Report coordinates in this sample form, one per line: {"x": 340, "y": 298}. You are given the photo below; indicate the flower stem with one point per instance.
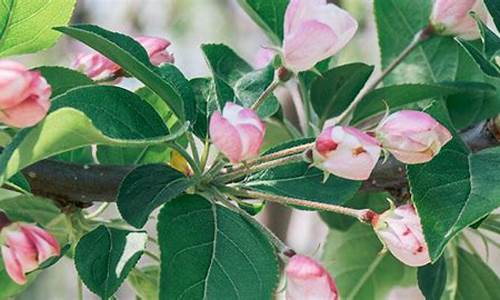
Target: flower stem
{"x": 194, "y": 149}
{"x": 152, "y": 255}
{"x": 99, "y": 211}
{"x": 266, "y": 165}
{"x": 419, "y": 37}
{"x": 364, "y": 215}
{"x": 272, "y": 156}
{"x": 276, "y": 82}
{"x": 205, "y": 154}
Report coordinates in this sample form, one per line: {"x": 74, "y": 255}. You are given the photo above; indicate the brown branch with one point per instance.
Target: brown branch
{"x": 73, "y": 183}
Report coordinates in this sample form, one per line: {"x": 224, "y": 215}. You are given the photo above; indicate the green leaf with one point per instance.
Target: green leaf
{"x": 453, "y": 191}
{"x": 26, "y": 26}
{"x": 146, "y": 188}
{"x": 63, "y": 79}
{"x": 432, "y": 279}
{"x": 494, "y": 8}
{"x": 269, "y": 15}
{"x": 206, "y": 99}
{"x": 361, "y": 271}
{"x": 397, "y": 23}
{"x": 332, "y": 93}
{"x": 113, "y": 155}
{"x": 475, "y": 278}
{"x": 491, "y": 41}
{"x": 105, "y": 256}
{"x": 488, "y": 67}
{"x": 249, "y": 88}
{"x": 236, "y": 81}
{"x": 145, "y": 282}
{"x": 84, "y": 116}
{"x": 210, "y": 252}
{"x": 400, "y": 96}
{"x": 299, "y": 180}
{"x": 132, "y": 57}
{"x": 376, "y": 201}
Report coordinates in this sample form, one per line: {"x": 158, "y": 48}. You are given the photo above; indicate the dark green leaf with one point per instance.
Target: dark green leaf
{"x": 210, "y": 252}
{"x": 132, "y": 57}
{"x": 491, "y": 41}
{"x": 332, "y": 93}
{"x": 206, "y": 99}
{"x": 299, "y": 180}
{"x": 476, "y": 280}
{"x": 269, "y": 15}
{"x": 62, "y": 79}
{"x": 26, "y": 27}
{"x": 105, "y": 256}
{"x": 20, "y": 182}
{"x": 249, "y": 88}
{"x": 175, "y": 77}
{"x": 494, "y": 8}
{"x": 360, "y": 269}
{"x": 400, "y": 96}
{"x": 432, "y": 279}
{"x": 488, "y": 67}
{"x": 146, "y": 188}
{"x": 83, "y": 116}
{"x": 236, "y": 81}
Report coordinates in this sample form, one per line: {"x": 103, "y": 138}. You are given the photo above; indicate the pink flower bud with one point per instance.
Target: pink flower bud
{"x": 96, "y": 66}
{"x": 413, "y": 137}
{"x": 24, "y": 95}
{"x": 314, "y": 31}
{"x": 24, "y": 248}
{"x": 346, "y": 152}
{"x": 451, "y": 17}
{"x": 156, "y": 49}
{"x": 308, "y": 280}
{"x": 401, "y": 232}
{"x": 237, "y": 133}
{"x": 264, "y": 57}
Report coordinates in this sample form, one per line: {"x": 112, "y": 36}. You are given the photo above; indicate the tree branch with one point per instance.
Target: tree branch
{"x": 82, "y": 185}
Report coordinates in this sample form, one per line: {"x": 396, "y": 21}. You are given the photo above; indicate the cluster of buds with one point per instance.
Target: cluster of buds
{"x": 24, "y": 95}
{"x": 98, "y": 67}
{"x": 24, "y": 247}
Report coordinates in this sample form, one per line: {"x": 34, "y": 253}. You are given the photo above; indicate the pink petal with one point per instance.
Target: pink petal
{"x": 309, "y": 45}
{"x": 251, "y": 140}
{"x": 308, "y": 280}
{"x": 46, "y": 245}
{"x": 12, "y": 266}
{"x": 225, "y": 137}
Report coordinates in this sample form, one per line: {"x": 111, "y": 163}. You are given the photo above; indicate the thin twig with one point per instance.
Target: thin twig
{"x": 364, "y": 215}
{"x": 272, "y": 156}
{"x": 421, "y": 36}
{"x": 267, "y": 165}
{"x": 268, "y": 91}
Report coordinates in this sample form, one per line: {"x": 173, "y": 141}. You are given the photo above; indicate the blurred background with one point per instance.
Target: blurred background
{"x": 188, "y": 24}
